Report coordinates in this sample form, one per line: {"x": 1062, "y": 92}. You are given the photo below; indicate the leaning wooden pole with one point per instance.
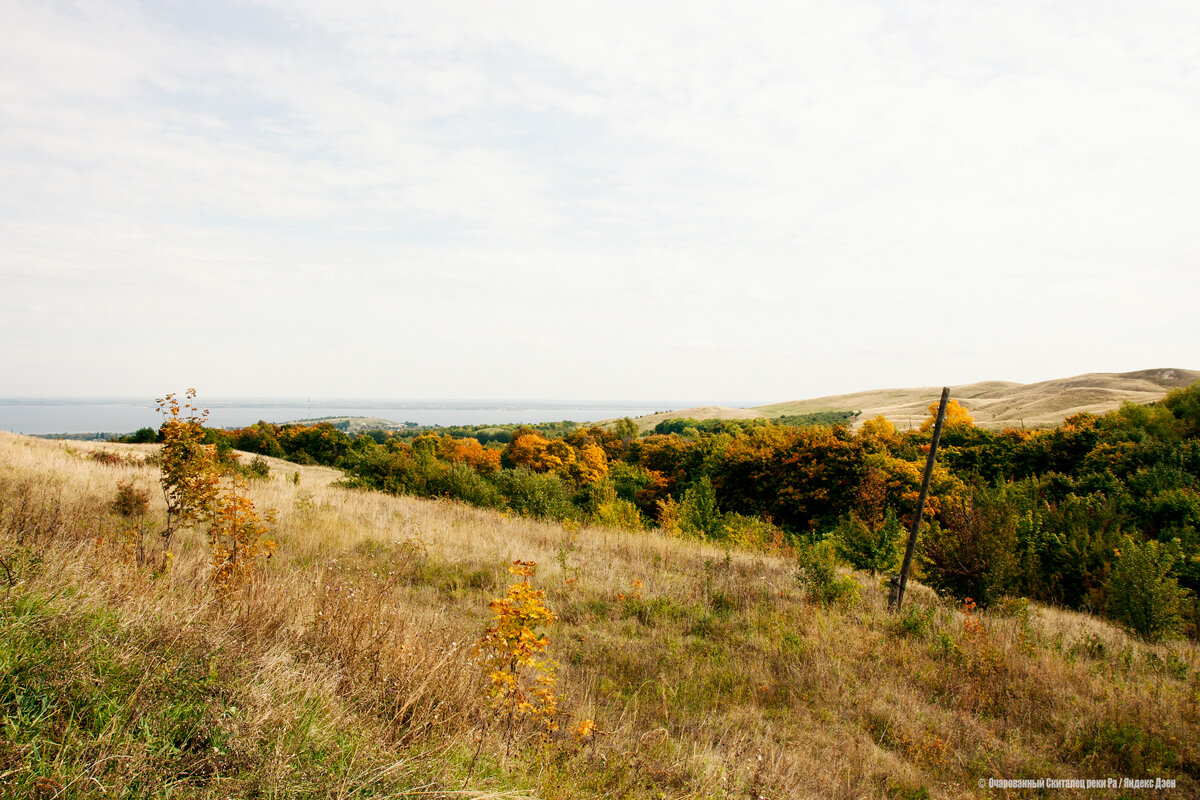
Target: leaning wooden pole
{"x": 916, "y": 524}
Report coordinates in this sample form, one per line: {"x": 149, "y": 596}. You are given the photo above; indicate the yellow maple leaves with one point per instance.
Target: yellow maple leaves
{"x": 521, "y": 678}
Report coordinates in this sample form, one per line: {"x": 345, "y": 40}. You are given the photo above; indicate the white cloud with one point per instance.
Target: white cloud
{"x": 787, "y": 186}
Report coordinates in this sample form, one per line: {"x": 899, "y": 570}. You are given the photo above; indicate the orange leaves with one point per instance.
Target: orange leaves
{"x": 469, "y": 452}
{"x": 236, "y": 534}
{"x": 188, "y": 467}
{"x": 521, "y": 679}
{"x": 529, "y": 451}
{"x": 537, "y": 453}
{"x": 523, "y": 569}
{"x": 584, "y": 730}
{"x": 634, "y": 594}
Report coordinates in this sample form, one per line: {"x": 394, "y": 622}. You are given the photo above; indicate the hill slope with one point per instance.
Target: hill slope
{"x": 350, "y": 671}
{"x": 994, "y": 404}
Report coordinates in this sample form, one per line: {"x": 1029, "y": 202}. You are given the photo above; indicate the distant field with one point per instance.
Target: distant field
{"x": 994, "y": 404}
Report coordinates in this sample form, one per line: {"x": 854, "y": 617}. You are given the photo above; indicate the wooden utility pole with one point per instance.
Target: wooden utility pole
{"x": 901, "y": 580}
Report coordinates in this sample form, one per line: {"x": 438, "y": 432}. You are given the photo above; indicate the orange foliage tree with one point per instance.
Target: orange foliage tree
{"x": 237, "y": 536}
{"x": 469, "y": 452}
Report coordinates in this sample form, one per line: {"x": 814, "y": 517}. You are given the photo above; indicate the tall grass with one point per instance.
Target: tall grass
{"x": 349, "y": 668}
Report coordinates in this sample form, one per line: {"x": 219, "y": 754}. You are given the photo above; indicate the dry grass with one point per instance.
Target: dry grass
{"x": 715, "y": 678}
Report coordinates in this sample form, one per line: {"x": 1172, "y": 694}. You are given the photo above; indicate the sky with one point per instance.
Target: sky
{"x": 763, "y": 201}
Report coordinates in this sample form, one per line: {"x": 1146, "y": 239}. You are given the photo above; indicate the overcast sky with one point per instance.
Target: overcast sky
{"x": 643, "y": 200}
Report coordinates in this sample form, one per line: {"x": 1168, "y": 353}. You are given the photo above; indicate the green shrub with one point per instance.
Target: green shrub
{"x": 461, "y": 482}
{"x": 1143, "y": 594}
{"x": 973, "y": 553}
{"x": 619, "y": 513}
{"x": 1128, "y": 747}
{"x": 816, "y": 572}
{"x": 914, "y": 621}
{"x": 698, "y": 512}
{"x": 258, "y": 469}
{"x": 865, "y": 548}
{"x": 602, "y": 501}
{"x": 753, "y": 533}
{"x": 535, "y": 495}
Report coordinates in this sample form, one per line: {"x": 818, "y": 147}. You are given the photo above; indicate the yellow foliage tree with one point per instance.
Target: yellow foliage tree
{"x": 592, "y": 464}
{"x": 521, "y": 678}
{"x": 188, "y": 467}
{"x": 880, "y": 427}
{"x": 535, "y": 452}
{"x": 956, "y": 416}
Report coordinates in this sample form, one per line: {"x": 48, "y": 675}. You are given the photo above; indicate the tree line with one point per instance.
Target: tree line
{"x": 1067, "y": 515}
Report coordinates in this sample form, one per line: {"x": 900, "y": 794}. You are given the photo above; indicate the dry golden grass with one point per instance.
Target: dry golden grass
{"x": 713, "y": 678}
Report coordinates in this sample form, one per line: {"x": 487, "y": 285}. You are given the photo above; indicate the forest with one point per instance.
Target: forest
{"x": 1101, "y": 513}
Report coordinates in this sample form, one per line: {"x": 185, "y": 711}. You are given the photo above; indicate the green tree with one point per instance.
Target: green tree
{"x": 973, "y": 552}
{"x": 866, "y": 547}
{"x": 698, "y": 512}
{"x": 1184, "y": 404}
{"x": 1142, "y": 591}
{"x": 625, "y": 429}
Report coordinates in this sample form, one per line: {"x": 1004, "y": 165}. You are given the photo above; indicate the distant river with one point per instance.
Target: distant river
{"x": 125, "y": 415}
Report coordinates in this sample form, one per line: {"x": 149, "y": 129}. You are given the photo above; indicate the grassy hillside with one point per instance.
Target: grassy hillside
{"x": 348, "y": 669}
{"x": 994, "y": 404}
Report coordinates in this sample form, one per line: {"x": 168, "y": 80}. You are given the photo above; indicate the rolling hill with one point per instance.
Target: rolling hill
{"x": 994, "y": 404}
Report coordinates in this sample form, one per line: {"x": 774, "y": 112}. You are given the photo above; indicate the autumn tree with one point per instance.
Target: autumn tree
{"x": 878, "y": 428}
{"x": 188, "y": 468}
{"x": 956, "y": 416}
{"x": 513, "y": 648}
{"x": 237, "y": 537}
{"x": 797, "y": 477}
{"x": 191, "y": 484}
{"x": 469, "y": 452}
{"x": 539, "y": 454}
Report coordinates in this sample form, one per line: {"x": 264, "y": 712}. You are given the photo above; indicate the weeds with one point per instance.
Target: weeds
{"x": 914, "y": 621}
{"x": 816, "y": 572}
